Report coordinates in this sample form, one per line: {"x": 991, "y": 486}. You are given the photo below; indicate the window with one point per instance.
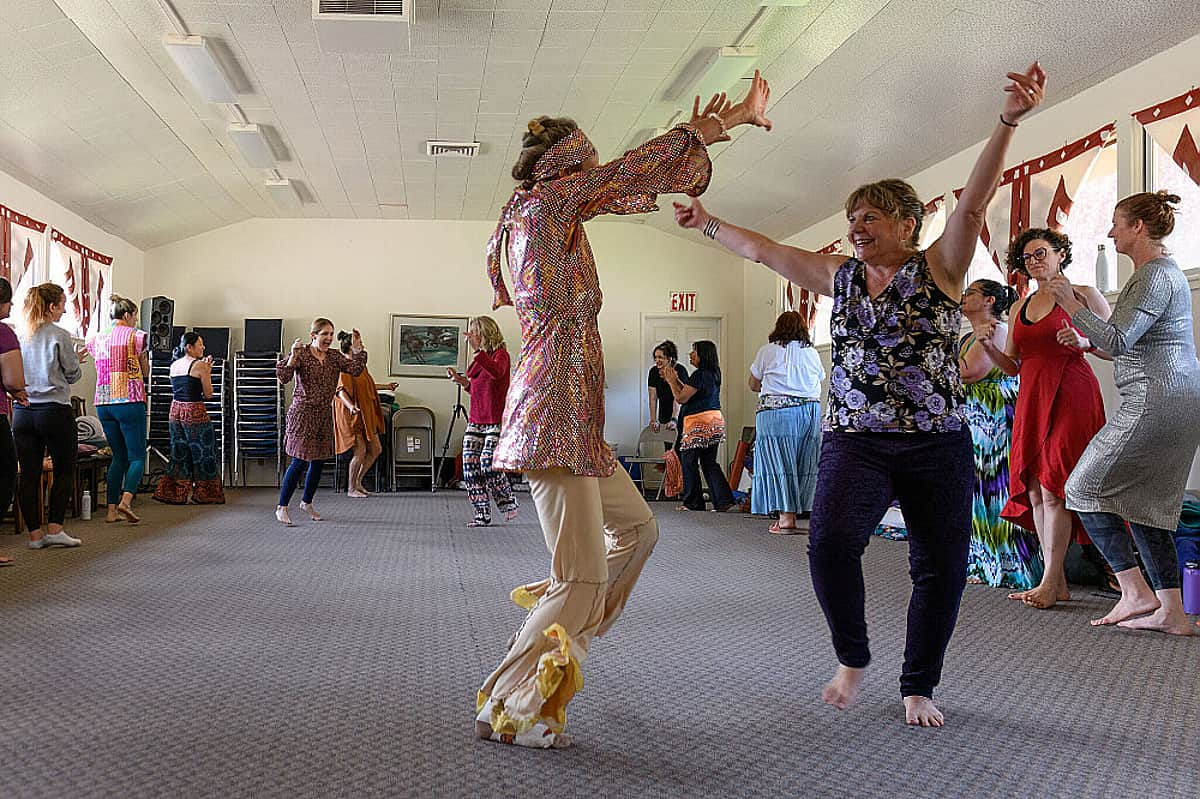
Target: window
{"x": 1090, "y": 219}
{"x": 1163, "y": 173}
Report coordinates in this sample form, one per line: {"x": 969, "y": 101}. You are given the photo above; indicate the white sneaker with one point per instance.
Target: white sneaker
{"x": 60, "y": 539}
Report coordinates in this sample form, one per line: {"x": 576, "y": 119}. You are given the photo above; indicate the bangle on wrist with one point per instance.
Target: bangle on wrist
{"x": 713, "y": 115}
{"x": 1006, "y": 123}
{"x": 711, "y": 227}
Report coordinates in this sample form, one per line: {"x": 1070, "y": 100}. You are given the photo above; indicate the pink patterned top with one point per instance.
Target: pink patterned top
{"x": 554, "y": 414}
{"x": 118, "y": 370}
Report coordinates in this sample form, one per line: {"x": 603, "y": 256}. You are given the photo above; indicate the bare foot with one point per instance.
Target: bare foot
{"x": 357, "y": 494}
{"x": 1044, "y": 597}
{"x": 112, "y": 516}
{"x": 127, "y": 514}
{"x": 920, "y": 711}
{"x": 1127, "y": 608}
{"x": 842, "y": 690}
{"x": 281, "y": 516}
{"x": 511, "y": 514}
{"x": 1159, "y": 621}
{"x": 1019, "y": 594}
{"x": 311, "y": 511}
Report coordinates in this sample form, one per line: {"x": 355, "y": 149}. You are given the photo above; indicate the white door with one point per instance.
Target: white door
{"x": 683, "y": 329}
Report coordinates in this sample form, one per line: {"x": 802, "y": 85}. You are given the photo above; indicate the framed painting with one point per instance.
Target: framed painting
{"x": 423, "y": 346}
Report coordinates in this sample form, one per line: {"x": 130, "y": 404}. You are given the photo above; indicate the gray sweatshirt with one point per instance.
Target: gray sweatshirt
{"x": 51, "y": 365}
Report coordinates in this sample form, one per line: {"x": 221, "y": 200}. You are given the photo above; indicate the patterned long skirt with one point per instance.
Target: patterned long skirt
{"x": 1002, "y": 554}
{"x": 484, "y": 483}
{"x": 195, "y": 467}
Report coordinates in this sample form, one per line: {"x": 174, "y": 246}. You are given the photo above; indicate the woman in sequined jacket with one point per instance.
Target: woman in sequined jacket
{"x": 554, "y": 414}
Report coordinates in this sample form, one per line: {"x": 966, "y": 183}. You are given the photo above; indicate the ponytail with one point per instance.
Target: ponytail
{"x": 188, "y": 339}
{"x": 38, "y": 303}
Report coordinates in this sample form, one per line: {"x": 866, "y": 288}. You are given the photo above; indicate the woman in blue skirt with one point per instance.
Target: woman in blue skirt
{"x": 787, "y": 375}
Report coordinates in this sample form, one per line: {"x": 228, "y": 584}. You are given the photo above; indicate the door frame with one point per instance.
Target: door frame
{"x": 722, "y": 325}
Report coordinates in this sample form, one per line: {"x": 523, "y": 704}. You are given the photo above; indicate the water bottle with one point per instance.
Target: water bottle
{"x": 85, "y": 505}
{"x": 1103, "y": 283}
{"x": 1191, "y": 587}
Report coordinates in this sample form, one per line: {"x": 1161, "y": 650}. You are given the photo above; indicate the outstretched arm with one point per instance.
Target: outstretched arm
{"x": 951, "y": 254}
{"x": 809, "y": 270}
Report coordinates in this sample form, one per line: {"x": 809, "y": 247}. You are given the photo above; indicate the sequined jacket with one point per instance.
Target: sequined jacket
{"x": 554, "y": 413}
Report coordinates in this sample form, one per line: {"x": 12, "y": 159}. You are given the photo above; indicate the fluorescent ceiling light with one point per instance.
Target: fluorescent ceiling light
{"x": 195, "y": 59}
{"x": 284, "y": 193}
{"x": 254, "y": 146}
{"x": 717, "y": 72}
{"x": 785, "y": 3}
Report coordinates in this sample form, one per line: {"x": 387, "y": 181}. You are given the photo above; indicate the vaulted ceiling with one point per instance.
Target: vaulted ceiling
{"x": 95, "y": 114}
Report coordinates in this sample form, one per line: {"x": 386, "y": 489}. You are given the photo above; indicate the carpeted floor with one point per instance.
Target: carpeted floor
{"x": 211, "y": 652}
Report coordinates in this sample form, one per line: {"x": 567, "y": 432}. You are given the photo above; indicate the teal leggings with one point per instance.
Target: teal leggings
{"x": 124, "y": 426}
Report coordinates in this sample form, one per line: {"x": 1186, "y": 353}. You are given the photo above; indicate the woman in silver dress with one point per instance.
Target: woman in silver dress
{"x": 1137, "y": 466}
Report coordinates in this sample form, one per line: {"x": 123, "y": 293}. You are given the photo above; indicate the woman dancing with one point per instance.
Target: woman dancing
{"x": 894, "y": 426}
{"x": 194, "y": 471}
{"x": 1136, "y": 467}
{"x": 1059, "y": 408}
{"x": 554, "y": 418}
{"x": 309, "y": 437}
{"x": 486, "y": 381}
{"x": 1002, "y": 554}
{"x": 358, "y": 420}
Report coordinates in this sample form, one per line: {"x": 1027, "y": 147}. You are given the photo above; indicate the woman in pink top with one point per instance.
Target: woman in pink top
{"x": 597, "y": 525}
{"x": 121, "y": 362}
{"x": 486, "y": 381}
{"x": 12, "y": 387}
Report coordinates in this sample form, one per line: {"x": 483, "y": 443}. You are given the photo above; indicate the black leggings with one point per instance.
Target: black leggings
{"x": 37, "y": 428}
{"x": 933, "y": 476}
{"x": 8, "y": 465}
{"x": 695, "y": 461}
{"x": 1115, "y": 543}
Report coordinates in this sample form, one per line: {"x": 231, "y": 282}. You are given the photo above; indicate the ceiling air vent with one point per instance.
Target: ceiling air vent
{"x": 362, "y": 26}
{"x": 461, "y": 149}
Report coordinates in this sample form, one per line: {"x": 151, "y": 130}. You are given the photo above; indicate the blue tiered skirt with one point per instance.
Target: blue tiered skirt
{"x": 787, "y": 442}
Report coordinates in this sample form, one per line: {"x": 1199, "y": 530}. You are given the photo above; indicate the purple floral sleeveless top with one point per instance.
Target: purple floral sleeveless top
{"x": 895, "y": 368}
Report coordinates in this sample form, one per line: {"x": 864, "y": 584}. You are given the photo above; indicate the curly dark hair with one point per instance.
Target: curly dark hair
{"x": 668, "y": 349}
{"x": 1016, "y": 249}
{"x": 344, "y": 338}
{"x": 789, "y": 327}
{"x": 551, "y": 130}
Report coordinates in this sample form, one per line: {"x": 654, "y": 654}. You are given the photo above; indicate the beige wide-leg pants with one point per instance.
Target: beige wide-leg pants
{"x": 599, "y": 531}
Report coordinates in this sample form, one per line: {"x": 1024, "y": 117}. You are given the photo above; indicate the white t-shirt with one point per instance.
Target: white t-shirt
{"x": 793, "y": 370}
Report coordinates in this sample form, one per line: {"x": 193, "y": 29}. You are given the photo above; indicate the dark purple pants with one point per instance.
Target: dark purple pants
{"x": 932, "y": 475}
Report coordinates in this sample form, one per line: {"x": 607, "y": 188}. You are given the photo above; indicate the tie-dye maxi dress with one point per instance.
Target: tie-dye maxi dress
{"x": 1002, "y": 554}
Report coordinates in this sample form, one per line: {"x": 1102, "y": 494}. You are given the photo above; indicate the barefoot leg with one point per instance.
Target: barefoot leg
{"x": 842, "y": 690}
{"x": 1055, "y": 535}
{"x": 1136, "y": 599}
{"x": 1169, "y": 618}
{"x": 920, "y": 711}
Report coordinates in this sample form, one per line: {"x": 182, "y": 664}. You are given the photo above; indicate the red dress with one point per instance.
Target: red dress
{"x": 1059, "y": 409}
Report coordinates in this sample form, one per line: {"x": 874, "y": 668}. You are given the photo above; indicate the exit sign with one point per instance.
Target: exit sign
{"x": 683, "y": 302}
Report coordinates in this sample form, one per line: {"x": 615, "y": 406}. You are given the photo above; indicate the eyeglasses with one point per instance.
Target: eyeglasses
{"x": 971, "y": 291}
{"x": 1037, "y": 255}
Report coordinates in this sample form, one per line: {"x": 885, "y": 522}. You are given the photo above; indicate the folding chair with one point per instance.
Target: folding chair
{"x": 650, "y": 454}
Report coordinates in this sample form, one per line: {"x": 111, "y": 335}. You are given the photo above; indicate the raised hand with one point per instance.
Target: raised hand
{"x": 297, "y": 345}
{"x": 984, "y": 329}
{"x": 752, "y": 109}
{"x": 1025, "y": 93}
{"x": 690, "y": 216}
{"x": 719, "y": 104}
{"x": 355, "y": 340}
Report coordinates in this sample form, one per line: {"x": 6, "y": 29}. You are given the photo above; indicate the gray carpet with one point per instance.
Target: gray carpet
{"x": 211, "y": 652}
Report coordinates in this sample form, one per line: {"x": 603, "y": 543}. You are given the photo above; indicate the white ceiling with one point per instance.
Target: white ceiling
{"x": 94, "y": 114}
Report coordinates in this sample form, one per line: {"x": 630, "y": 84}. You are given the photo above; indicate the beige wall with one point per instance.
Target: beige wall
{"x": 128, "y": 261}
{"x": 359, "y": 272}
{"x": 1161, "y": 76}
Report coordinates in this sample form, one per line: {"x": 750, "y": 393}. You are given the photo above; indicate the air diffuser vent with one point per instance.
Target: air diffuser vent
{"x": 452, "y": 148}
{"x": 396, "y": 9}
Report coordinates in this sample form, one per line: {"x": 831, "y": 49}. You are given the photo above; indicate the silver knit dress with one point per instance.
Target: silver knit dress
{"x": 1137, "y": 466}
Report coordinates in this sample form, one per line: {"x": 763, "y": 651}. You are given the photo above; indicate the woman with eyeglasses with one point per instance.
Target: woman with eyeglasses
{"x": 1002, "y": 554}
{"x": 1059, "y": 407}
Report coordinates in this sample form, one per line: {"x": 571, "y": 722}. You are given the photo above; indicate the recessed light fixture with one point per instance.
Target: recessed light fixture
{"x": 250, "y": 140}
{"x": 195, "y": 59}
{"x": 283, "y": 193}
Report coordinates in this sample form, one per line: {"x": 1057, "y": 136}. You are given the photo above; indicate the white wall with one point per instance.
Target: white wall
{"x": 128, "y": 261}
{"x": 359, "y": 272}
{"x": 1160, "y": 77}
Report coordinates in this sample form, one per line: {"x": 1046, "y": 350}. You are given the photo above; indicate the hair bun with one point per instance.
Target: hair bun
{"x": 1169, "y": 197}
{"x": 536, "y": 127}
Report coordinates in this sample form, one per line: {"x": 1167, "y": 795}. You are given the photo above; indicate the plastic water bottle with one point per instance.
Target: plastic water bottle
{"x": 1103, "y": 281}
{"x": 85, "y": 505}
{"x": 1191, "y": 587}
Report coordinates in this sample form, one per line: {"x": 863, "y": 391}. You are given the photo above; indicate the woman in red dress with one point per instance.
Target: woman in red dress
{"x": 1059, "y": 407}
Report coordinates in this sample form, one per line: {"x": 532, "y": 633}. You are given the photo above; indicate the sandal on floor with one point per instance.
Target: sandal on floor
{"x": 6, "y": 561}
{"x": 478, "y": 523}
{"x": 128, "y": 515}
{"x": 776, "y": 529}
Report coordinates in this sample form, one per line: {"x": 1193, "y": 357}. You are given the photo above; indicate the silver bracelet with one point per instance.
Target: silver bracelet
{"x": 720, "y": 122}
{"x": 711, "y": 227}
